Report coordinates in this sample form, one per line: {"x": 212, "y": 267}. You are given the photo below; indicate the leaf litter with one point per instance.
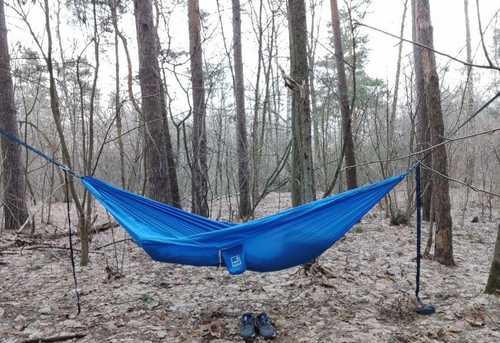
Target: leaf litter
{"x": 367, "y": 295}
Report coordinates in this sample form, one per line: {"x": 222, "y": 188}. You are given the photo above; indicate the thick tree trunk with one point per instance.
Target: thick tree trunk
{"x": 422, "y": 116}
{"x": 170, "y": 154}
{"x": 443, "y": 248}
{"x": 13, "y": 182}
{"x": 493, "y": 284}
{"x": 348, "y": 142}
{"x": 199, "y": 177}
{"x": 241, "y": 132}
{"x": 155, "y": 139}
{"x": 303, "y": 189}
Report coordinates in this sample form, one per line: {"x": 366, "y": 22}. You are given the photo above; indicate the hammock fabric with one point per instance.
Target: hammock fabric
{"x": 287, "y": 239}
{"x": 284, "y": 240}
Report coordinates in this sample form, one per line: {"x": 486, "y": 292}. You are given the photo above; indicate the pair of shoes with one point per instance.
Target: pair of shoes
{"x": 250, "y": 326}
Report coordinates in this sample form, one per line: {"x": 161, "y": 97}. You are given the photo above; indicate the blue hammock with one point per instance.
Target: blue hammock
{"x": 284, "y": 240}
{"x": 287, "y": 239}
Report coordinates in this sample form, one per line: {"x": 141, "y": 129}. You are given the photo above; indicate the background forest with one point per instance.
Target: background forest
{"x": 223, "y": 108}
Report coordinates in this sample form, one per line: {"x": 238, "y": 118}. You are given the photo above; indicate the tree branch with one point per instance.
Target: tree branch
{"x": 482, "y": 66}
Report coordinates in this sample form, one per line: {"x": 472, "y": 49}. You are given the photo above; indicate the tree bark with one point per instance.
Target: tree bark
{"x": 423, "y": 132}
{"x": 256, "y": 146}
{"x": 199, "y": 171}
{"x": 493, "y": 284}
{"x": 13, "y": 181}
{"x": 443, "y": 248}
{"x": 391, "y": 122}
{"x": 83, "y": 225}
{"x": 470, "y": 151}
{"x": 350, "y": 159}
{"x": 316, "y": 113}
{"x": 155, "y": 139}
{"x": 119, "y": 127}
{"x": 303, "y": 189}
{"x": 170, "y": 154}
{"x": 241, "y": 132}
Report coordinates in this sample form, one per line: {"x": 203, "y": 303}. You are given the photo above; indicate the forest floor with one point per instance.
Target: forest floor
{"x": 126, "y": 297}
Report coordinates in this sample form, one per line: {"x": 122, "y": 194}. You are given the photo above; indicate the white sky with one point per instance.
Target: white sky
{"x": 447, "y": 19}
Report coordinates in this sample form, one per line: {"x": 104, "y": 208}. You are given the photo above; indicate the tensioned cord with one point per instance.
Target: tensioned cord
{"x": 66, "y": 171}
{"x": 34, "y": 150}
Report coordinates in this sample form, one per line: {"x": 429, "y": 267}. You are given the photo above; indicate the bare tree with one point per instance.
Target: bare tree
{"x": 314, "y": 8}
{"x": 470, "y": 162}
{"x": 156, "y": 139}
{"x": 493, "y": 284}
{"x": 57, "y": 115}
{"x": 13, "y": 181}
{"x": 241, "y": 132}
{"x": 256, "y": 144}
{"x": 422, "y": 129}
{"x": 443, "y": 248}
{"x": 391, "y": 121}
{"x": 113, "y": 4}
{"x": 303, "y": 188}
{"x": 199, "y": 168}
{"x": 348, "y": 142}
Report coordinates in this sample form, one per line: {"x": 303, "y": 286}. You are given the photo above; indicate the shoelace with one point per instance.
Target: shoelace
{"x": 246, "y": 319}
{"x": 264, "y": 319}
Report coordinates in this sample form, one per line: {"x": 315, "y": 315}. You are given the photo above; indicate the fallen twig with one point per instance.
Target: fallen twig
{"x": 105, "y": 226}
{"x": 112, "y": 243}
{"x": 55, "y": 338}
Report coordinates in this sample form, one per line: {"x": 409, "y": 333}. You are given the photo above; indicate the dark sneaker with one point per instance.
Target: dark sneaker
{"x": 265, "y": 326}
{"x": 247, "y": 326}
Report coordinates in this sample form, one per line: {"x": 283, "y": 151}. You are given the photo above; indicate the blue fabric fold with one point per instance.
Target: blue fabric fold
{"x": 283, "y": 240}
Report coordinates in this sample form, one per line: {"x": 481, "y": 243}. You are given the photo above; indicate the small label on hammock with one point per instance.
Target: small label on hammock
{"x": 234, "y": 259}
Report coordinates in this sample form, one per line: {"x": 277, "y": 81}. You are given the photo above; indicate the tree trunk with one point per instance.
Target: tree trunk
{"x": 170, "y": 154}
{"x": 443, "y": 248}
{"x": 83, "y": 225}
{"x": 350, "y": 160}
{"x": 199, "y": 177}
{"x": 119, "y": 127}
{"x": 303, "y": 189}
{"x": 316, "y": 113}
{"x": 391, "y": 121}
{"x": 15, "y": 210}
{"x": 241, "y": 132}
{"x": 423, "y": 133}
{"x": 256, "y": 145}
{"x": 155, "y": 144}
{"x": 493, "y": 284}
{"x": 470, "y": 153}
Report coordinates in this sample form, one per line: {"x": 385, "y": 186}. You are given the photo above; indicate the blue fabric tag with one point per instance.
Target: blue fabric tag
{"x": 234, "y": 259}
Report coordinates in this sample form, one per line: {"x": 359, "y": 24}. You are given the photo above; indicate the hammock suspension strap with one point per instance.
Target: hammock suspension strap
{"x": 70, "y": 237}
{"x": 34, "y": 150}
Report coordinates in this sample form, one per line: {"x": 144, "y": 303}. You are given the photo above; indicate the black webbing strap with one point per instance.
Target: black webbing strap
{"x": 421, "y": 308}
{"x": 70, "y": 236}
{"x": 418, "y": 203}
